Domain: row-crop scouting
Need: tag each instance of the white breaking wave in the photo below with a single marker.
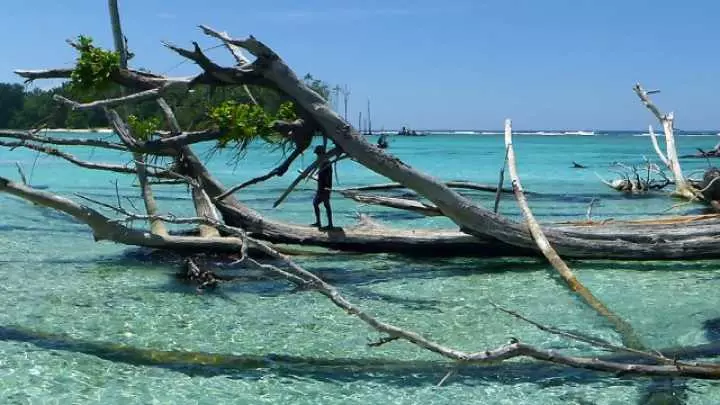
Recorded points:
(557, 133)
(586, 133)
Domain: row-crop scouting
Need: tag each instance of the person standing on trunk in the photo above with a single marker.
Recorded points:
(324, 188)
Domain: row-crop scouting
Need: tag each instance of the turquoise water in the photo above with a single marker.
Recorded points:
(87, 322)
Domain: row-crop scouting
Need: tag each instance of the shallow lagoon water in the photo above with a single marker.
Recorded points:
(87, 322)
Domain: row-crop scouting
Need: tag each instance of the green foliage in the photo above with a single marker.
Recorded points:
(143, 129)
(94, 66)
(11, 101)
(286, 112)
(245, 123)
(320, 87)
(24, 109)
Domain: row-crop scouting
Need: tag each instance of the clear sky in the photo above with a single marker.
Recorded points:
(548, 64)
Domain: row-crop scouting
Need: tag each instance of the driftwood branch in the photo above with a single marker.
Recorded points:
(682, 188)
(659, 151)
(104, 228)
(466, 185)
(512, 350)
(112, 102)
(33, 136)
(72, 159)
(393, 202)
(623, 328)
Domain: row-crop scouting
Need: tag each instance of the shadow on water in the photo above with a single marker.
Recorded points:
(385, 371)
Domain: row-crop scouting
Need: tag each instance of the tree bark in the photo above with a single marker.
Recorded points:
(156, 227)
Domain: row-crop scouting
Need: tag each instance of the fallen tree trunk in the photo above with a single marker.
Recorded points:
(580, 243)
(363, 238)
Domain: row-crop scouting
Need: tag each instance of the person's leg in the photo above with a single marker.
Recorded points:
(316, 208)
(328, 209)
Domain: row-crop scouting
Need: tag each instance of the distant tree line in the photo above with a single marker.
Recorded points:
(25, 109)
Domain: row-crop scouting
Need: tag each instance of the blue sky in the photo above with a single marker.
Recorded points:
(561, 64)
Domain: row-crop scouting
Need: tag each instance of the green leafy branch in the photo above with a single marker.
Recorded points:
(244, 123)
(94, 66)
(143, 129)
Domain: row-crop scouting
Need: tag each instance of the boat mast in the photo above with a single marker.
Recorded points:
(346, 96)
(369, 127)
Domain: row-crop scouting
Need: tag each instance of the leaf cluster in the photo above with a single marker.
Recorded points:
(143, 129)
(244, 123)
(94, 66)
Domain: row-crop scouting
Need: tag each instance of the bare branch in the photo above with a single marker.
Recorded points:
(659, 152)
(214, 73)
(30, 75)
(72, 159)
(585, 339)
(112, 102)
(106, 229)
(335, 152)
(32, 136)
(21, 172)
(250, 44)
(623, 328)
(169, 117)
(129, 78)
(512, 350)
(644, 97)
(393, 202)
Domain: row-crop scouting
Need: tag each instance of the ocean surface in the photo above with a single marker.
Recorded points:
(99, 323)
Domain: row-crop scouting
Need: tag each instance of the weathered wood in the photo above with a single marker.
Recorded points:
(392, 202)
(72, 159)
(104, 228)
(623, 328)
(303, 278)
(33, 136)
(362, 238)
(659, 151)
(451, 184)
(157, 227)
(682, 188)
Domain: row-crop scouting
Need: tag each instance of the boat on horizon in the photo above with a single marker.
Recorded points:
(406, 132)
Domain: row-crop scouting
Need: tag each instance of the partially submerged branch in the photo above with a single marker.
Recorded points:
(104, 228)
(622, 327)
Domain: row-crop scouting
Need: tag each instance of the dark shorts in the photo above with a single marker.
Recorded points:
(321, 197)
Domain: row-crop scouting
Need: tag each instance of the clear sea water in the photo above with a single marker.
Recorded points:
(99, 323)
